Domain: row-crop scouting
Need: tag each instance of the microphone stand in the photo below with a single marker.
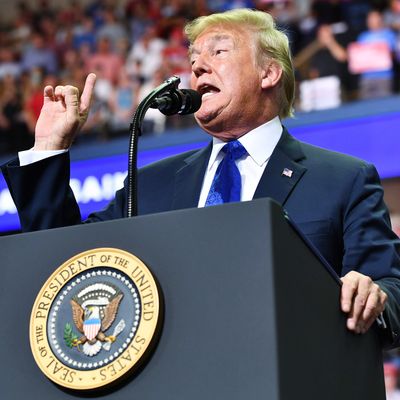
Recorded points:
(135, 132)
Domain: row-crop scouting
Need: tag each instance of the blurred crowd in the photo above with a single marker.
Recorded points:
(391, 369)
(134, 45)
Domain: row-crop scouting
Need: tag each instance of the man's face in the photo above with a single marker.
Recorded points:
(374, 21)
(225, 73)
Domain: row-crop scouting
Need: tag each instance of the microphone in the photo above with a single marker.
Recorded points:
(169, 100)
(178, 101)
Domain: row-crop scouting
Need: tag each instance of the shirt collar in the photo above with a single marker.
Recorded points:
(259, 143)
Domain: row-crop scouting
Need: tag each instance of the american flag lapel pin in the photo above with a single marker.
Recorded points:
(287, 172)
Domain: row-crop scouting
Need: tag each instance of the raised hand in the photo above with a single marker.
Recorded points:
(62, 115)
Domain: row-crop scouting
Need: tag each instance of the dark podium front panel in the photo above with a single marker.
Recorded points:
(250, 312)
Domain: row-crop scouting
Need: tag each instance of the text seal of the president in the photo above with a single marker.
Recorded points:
(95, 319)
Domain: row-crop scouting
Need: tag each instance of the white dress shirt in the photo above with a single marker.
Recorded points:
(30, 156)
(259, 144)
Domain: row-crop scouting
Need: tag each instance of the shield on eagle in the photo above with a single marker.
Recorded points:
(91, 327)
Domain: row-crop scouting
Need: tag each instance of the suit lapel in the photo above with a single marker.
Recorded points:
(283, 171)
(274, 182)
(189, 179)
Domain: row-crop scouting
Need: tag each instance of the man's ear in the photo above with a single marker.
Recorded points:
(271, 75)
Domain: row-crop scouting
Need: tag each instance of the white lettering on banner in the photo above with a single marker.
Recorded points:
(7, 205)
(91, 189)
(95, 189)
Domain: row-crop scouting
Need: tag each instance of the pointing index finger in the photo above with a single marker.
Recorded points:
(87, 93)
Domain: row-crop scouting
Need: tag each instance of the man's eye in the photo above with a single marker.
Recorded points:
(219, 51)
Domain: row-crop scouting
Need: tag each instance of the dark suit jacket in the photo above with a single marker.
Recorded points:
(336, 200)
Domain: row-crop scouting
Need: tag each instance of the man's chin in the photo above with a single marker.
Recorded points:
(204, 117)
(213, 127)
(205, 122)
(219, 126)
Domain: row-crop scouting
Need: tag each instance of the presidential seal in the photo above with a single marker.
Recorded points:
(95, 319)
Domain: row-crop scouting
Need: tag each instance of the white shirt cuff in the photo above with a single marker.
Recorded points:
(27, 157)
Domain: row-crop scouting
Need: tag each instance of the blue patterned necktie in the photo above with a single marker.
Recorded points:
(227, 183)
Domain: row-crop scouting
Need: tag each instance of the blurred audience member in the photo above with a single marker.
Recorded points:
(70, 64)
(392, 15)
(138, 19)
(84, 34)
(8, 64)
(175, 54)
(326, 55)
(391, 373)
(13, 130)
(355, 12)
(154, 120)
(285, 12)
(377, 81)
(43, 9)
(104, 61)
(111, 29)
(392, 20)
(322, 66)
(148, 52)
(38, 55)
(177, 9)
(122, 103)
(71, 13)
(21, 26)
(51, 32)
(224, 5)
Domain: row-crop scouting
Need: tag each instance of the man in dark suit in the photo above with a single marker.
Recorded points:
(241, 66)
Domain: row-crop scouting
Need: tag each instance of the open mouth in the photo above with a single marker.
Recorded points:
(207, 90)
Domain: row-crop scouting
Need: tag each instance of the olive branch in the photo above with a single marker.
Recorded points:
(69, 336)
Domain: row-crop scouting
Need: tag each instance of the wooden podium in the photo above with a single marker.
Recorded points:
(250, 311)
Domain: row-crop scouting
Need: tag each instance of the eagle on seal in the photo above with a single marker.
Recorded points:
(92, 319)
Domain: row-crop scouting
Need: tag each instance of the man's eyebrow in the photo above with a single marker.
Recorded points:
(192, 50)
(220, 36)
(211, 42)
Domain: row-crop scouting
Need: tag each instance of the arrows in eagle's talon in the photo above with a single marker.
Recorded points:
(112, 338)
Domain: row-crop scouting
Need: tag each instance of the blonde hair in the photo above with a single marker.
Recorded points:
(271, 43)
